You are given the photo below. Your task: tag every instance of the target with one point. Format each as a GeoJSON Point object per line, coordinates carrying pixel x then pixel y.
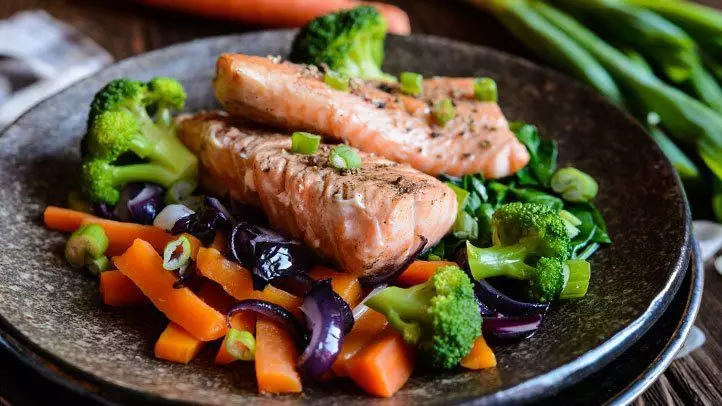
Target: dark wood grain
{"type": "Point", "coordinates": [127, 29]}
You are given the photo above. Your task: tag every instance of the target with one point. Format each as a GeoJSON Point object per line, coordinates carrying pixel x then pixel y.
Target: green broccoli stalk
{"type": "Point", "coordinates": [122, 128]}
{"type": "Point", "coordinates": [530, 242]}
{"type": "Point", "coordinates": [350, 42]}
{"type": "Point", "coordinates": [440, 317]}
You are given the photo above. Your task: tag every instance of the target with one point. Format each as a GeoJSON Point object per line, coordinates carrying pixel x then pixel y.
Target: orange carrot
{"type": "Point", "coordinates": [177, 345]}
{"type": "Point", "coordinates": [383, 366]}
{"type": "Point", "coordinates": [220, 243]}
{"type": "Point", "coordinates": [480, 356]}
{"type": "Point", "coordinates": [242, 321]}
{"type": "Point", "coordinates": [366, 329]}
{"type": "Point", "coordinates": [61, 219]}
{"type": "Point", "coordinates": [117, 289]}
{"type": "Point", "coordinates": [121, 235]}
{"type": "Point", "coordinates": [145, 268]}
{"type": "Point", "coordinates": [419, 272]}
{"type": "Point", "coordinates": [282, 298]}
{"type": "Point", "coordinates": [280, 13]}
{"type": "Point", "coordinates": [234, 279]}
{"type": "Point", "coordinates": [345, 285]}
{"type": "Point", "coordinates": [276, 358]}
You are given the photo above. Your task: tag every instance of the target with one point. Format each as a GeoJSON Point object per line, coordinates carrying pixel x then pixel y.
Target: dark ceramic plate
{"type": "Point", "coordinates": [58, 310]}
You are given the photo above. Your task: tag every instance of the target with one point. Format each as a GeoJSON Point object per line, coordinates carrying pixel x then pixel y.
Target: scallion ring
{"type": "Point", "coordinates": [177, 253]}
{"type": "Point", "coordinates": [98, 265]}
{"type": "Point", "coordinates": [305, 143]}
{"type": "Point", "coordinates": [412, 83]}
{"type": "Point", "coordinates": [241, 344]}
{"type": "Point", "coordinates": [485, 90]}
{"type": "Point", "coordinates": [344, 157]}
{"type": "Point", "coordinates": [444, 111]}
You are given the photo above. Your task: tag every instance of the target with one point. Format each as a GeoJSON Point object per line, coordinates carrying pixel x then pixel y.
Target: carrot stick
{"type": "Point", "coordinates": [383, 366]}
{"type": "Point", "coordinates": [234, 279]}
{"type": "Point", "coordinates": [366, 329]}
{"type": "Point", "coordinates": [282, 298]}
{"type": "Point", "coordinates": [280, 13]}
{"type": "Point", "coordinates": [177, 345]}
{"type": "Point", "coordinates": [145, 268]}
{"type": "Point", "coordinates": [419, 272]}
{"type": "Point", "coordinates": [121, 235]}
{"type": "Point", "coordinates": [117, 289]}
{"type": "Point", "coordinates": [345, 285]}
{"type": "Point", "coordinates": [276, 358]}
{"type": "Point", "coordinates": [242, 321]}
{"type": "Point", "coordinates": [61, 219]}
{"type": "Point", "coordinates": [480, 356]}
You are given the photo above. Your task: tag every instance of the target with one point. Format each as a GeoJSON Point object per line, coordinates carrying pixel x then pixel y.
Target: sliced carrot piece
{"type": "Point", "coordinates": [419, 272]}
{"type": "Point", "coordinates": [62, 219]}
{"type": "Point", "coordinates": [480, 357]}
{"type": "Point", "coordinates": [121, 235]}
{"type": "Point", "coordinates": [282, 298]}
{"type": "Point", "coordinates": [366, 329]}
{"type": "Point", "coordinates": [234, 278]}
{"type": "Point", "coordinates": [220, 243]}
{"type": "Point", "coordinates": [383, 367]}
{"type": "Point", "coordinates": [276, 358]}
{"type": "Point", "coordinates": [117, 289]}
{"type": "Point", "coordinates": [242, 321]}
{"type": "Point", "coordinates": [177, 345]}
{"type": "Point", "coordinates": [142, 264]}
{"type": "Point", "coordinates": [345, 285]}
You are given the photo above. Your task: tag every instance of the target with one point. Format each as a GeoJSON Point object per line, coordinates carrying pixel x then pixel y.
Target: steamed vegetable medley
{"type": "Point", "coordinates": [289, 256]}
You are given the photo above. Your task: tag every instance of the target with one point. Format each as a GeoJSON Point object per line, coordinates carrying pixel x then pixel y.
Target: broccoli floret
{"type": "Point", "coordinates": [530, 242]}
{"type": "Point", "coordinates": [440, 317]}
{"type": "Point", "coordinates": [131, 121]}
{"type": "Point", "coordinates": [350, 42]}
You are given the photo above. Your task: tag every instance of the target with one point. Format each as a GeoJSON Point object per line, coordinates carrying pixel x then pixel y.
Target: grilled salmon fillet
{"type": "Point", "coordinates": [374, 117]}
{"type": "Point", "coordinates": [368, 221]}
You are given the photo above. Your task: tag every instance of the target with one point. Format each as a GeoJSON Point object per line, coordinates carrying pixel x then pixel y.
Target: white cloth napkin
{"type": "Point", "coordinates": [40, 56]}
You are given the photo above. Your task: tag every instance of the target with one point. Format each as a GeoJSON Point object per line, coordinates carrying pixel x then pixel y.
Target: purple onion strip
{"type": "Point", "coordinates": [511, 328]}
{"type": "Point", "coordinates": [274, 312]}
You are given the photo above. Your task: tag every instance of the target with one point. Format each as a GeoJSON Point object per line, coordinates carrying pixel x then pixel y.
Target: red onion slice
{"type": "Point", "coordinates": [167, 218]}
{"type": "Point", "coordinates": [511, 328]}
{"type": "Point", "coordinates": [274, 312]}
{"type": "Point", "coordinates": [325, 318]}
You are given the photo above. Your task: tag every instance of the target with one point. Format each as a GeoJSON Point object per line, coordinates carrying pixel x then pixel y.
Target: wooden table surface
{"type": "Point", "coordinates": [126, 29]}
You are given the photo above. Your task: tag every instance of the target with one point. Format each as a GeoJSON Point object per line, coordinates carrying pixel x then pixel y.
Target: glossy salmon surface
{"type": "Point", "coordinates": [375, 117]}
{"type": "Point", "coordinates": [367, 221]}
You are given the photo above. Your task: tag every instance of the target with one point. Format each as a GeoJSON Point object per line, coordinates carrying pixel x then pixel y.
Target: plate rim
{"type": "Point", "coordinates": [535, 387]}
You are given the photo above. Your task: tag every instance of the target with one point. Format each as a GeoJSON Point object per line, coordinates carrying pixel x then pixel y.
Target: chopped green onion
{"type": "Point", "coordinates": [462, 195]}
{"type": "Point", "coordinates": [336, 80]}
{"type": "Point", "coordinates": [465, 226]}
{"type": "Point", "coordinates": [412, 83]}
{"type": "Point", "coordinates": [179, 191]}
{"type": "Point", "coordinates": [98, 265]}
{"type": "Point", "coordinates": [578, 273]}
{"type": "Point", "coordinates": [485, 90]}
{"type": "Point", "coordinates": [241, 344]}
{"type": "Point", "coordinates": [343, 157]}
{"type": "Point", "coordinates": [305, 143]}
{"type": "Point", "coordinates": [574, 185]}
{"type": "Point", "coordinates": [177, 253]}
{"type": "Point", "coordinates": [444, 111]}
{"type": "Point", "coordinates": [434, 257]}
{"type": "Point", "coordinates": [85, 244]}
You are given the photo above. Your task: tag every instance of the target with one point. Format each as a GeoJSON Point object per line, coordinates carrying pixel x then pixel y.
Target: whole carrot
{"type": "Point", "coordinates": [281, 13]}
